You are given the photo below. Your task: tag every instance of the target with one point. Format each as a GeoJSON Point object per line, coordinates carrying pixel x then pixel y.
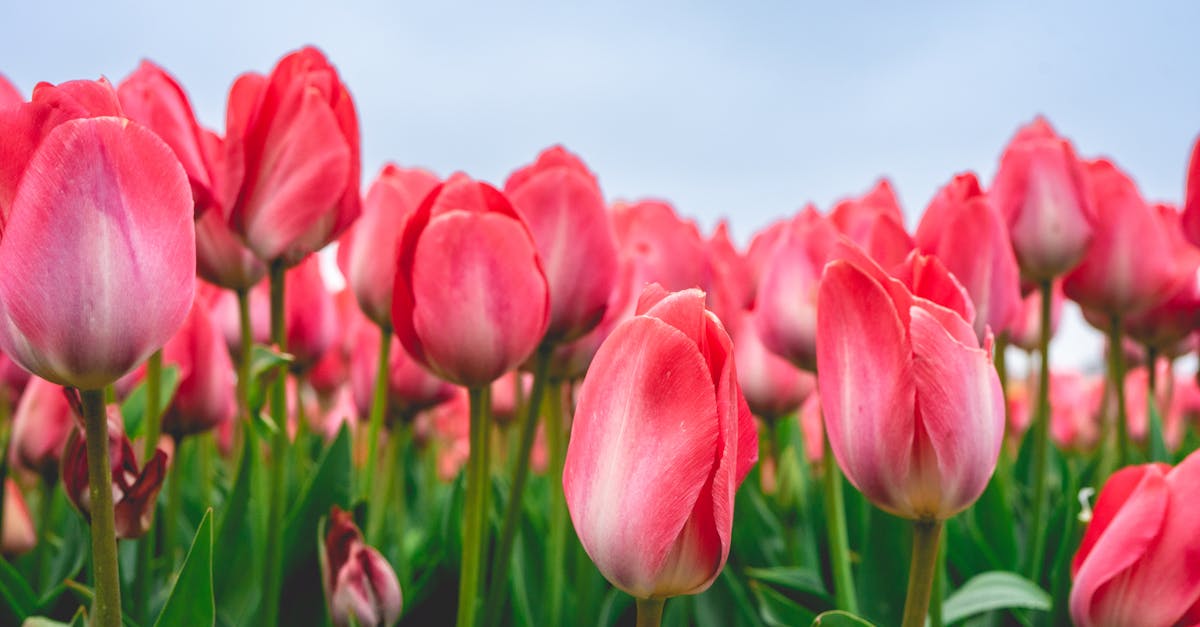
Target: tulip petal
{"type": "Point", "coordinates": [642, 447]}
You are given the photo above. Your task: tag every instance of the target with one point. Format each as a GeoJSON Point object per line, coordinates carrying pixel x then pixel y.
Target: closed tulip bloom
{"type": "Point", "coordinates": [367, 252]}
{"type": "Point", "coordinates": [309, 314]}
{"type": "Point", "coordinates": [411, 388]}
{"type": "Point", "coordinates": [787, 291]}
{"type": "Point", "coordinates": [221, 257]}
{"type": "Point", "coordinates": [1076, 401]}
{"type": "Point", "coordinates": [1168, 323]}
{"type": "Point", "coordinates": [135, 491]}
{"type": "Point", "coordinates": [773, 386]}
{"type": "Point", "coordinates": [561, 202]}
{"type": "Point", "coordinates": [734, 267]}
{"type": "Point", "coordinates": [1131, 264]}
{"type": "Point", "coordinates": [10, 96]}
{"type": "Point", "coordinates": [17, 536]}
{"type": "Point", "coordinates": [570, 361]}
{"type": "Point", "coordinates": [40, 426]}
{"type": "Point", "coordinates": [961, 228]}
{"type": "Point", "coordinates": [666, 248]}
{"type": "Point", "coordinates": [206, 396]}
{"type": "Point", "coordinates": [223, 307]}
{"type": "Point", "coordinates": [292, 148]}
{"type": "Point", "coordinates": [1040, 191]}
{"type": "Point", "coordinates": [759, 252]}
{"type": "Point", "coordinates": [1136, 564]}
{"type": "Point", "coordinates": [152, 97]}
{"type": "Point", "coordinates": [913, 406]}
{"type": "Point", "coordinates": [471, 300]}
{"type": "Point", "coordinates": [1024, 328]}
{"type": "Point", "coordinates": [98, 243]}
{"type": "Point", "coordinates": [812, 425]}
{"type": "Point", "coordinates": [1191, 204]}
{"type": "Point", "coordinates": [875, 222]}
{"type": "Point", "coordinates": [661, 441]}
{"type": "Point", "coordinates": [360, 585]}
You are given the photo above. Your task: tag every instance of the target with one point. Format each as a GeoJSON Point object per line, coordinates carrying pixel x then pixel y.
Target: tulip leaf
{"type": "Point", "coordinates": [328, 485]}
{"type": "Point", "coordinates": [133, 410]}
{"type": "Point", "coordinates": [264, 361]}
{"type": "Point", "coordinates": [880, 598]}
{"type": "Point", "coordinates": [838, 618]}
{"type": "Point", "coordinates": [1154, 437]}
{"type": "Point", "coordinates": [615, 605]}
{"type": "Point", "coordinates": [995, 590]}
{"type": "Point", "coordinates": [777, 610]}
{"type": "Point", "coordinates": [191, 601]}
{"type": "Point", "coordinates": [17, 600]}
{"type": "Point", "coordinates": [241, 526]}
{"type": "Point", "coordinates": [805, 581]}
{"type": "Point", "coordinates": [741, 599]}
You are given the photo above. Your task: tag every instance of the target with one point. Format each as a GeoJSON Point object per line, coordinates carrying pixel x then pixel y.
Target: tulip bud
{"type": "Point", "coordinates": [1040, 191]}
{"type": "Point", "coordinates": [560, 200]}
{"type": "Point", "coordinates": [10, 96]}
{"type": "Point", "coordinates": [360, 585]}
{"type": "Point", "coordinates": [18, 535]}
{"type": "Point", "coordinates": [292, 154]}
{"type": "Point", "coordinates": [665, 248]}
{"type": "Point", "coordinates": [912, 404]}
{"type": "Point", "coordinates": [367, 252]}
{"type": "Point", "coordinates": [1165, 325]}
{"type": "Point", "coordinates": [1075, 406]}
{"type": "Point", "coordinates": [1024, 328]}
{"type": "Point", "coordinates": [309, 314]}
{"type": "Point", "coordinates": [221, 258]}
{"type": "Point", "coordinates": [98, 242]}
{"type": "Point", "coordinates": [411, 388]}
{"type": "Point", "coordinates": [206, 396]}
{"type": "Point", "coordinates": [40, 426]}
{"type": "Point", "coordinates": [471, 300]}
{"type": "Point", "coordinates": [773, 386]}
{"type": "Point", "coordinates": [662, 438]}
{"type": "Point", "coordinates": [134, 491]}
{"type": "Point", "coordinates": [875, 222]}
{"type": "Point", "coordinates": [1136, 562]}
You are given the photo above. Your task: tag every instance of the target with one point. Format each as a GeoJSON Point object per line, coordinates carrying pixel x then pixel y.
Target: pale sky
{"type": "Point", "coordinates": [742, 110]}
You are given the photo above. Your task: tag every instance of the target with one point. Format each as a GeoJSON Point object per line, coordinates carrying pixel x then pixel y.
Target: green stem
{"type": "Point", "coordinates": [380, 490]}
{"type": "Point", "coordinates": [512, 516]}
{"type": "Point", "coordinates": [145, 544]}
{"type": "Point", "coordinates": [839, 542]}
{"type": "Point", "coordinates": [939, 584]}
{"type": "Point", "coordinates": [106, 606]}
{"type": "Point", "coordinates": [279, 448]}
{"type": "Point", "coordinates": [1117, 373]}
{"type": "Point", "coordinates": [45, 515]}
{"type": "Point", "coordinates": [556, 551]}
{"type": "Point", "coordinates": [476, 508]}
{"type": "Point", "coordinates": [926, 534]}
{"type": "Point", "coordinates": [174, 504]}
{"type": "Point", "coordinates": [378, 409]}
{"type": "Point", "coordinates": [1041, 441]}
{"type": "Point", "coordinates": [396, 471]}
{"type": "Point", "coordinates": [649, 612]}
{"type": "Point", "coordinates": [247, 346]}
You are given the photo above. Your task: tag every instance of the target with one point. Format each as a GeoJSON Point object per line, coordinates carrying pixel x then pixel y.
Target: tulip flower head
{"type": "Point", "coordinates": [912, 404]}
{"type": "Point", "coordinates": [360, 585]}
{"type": "Point", "coordinates": [40, 426]}
{"type": "Point", "coordinates": [661, 441]}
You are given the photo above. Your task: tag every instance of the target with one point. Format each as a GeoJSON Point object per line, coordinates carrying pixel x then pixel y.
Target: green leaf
{"type": "Point", "coordinates": [133, 410]}
{"type": "Point", "coordinates": [1158, 448]}
{"type": "Point", "coordinates": [263, 363]}
{"type": "Point", "coordinates": [996, 590]}
{"type": "Point", "coordinates": [17, 597]}
{"type": "Point", "coordinates": [327, 485]}
{"type": "Point", "coordinates": [191, 601]}
{"type": "Point", "coordinates": [838, 618]}
{"type": "Point", "coordinates": [241, 527]}
{"type": "Point", "coordinates": [777, 610]}
{"type": "Point", "coordinates": [803, 580]}
{"type": "Point", "coordinates": [887, 549]}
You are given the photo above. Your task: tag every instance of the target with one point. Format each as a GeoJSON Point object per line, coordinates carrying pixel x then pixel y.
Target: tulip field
{"type": "Point", "coordinates": [533, 405]}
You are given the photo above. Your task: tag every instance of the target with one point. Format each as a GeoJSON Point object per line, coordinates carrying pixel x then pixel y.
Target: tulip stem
{"type": "Point", "coordinates": [45, 515]}
{"type": "Point", "coordinates": [247, 345]}
{"type": "Point", "coordinates": [174, 503]}
{"type": "Point", "coordinates": [145, 545]}
{"type": "Point", "coordinates": [512, 515]}
{"type": "Point", "coordinates": [475, 511]}
{"type": "Point", "coordinates": [106, 606]}
{"type": "Point", "coordinates": [378, 409]}
{"type": "Point", "coordinates": [839, 541]}
{"type": "Point", "coordinates": [1041, 440]}
{"type": "Point", "coordinates": [1116, 356]}
{"type": "Point", "coordinates": [556, 552]}
{"type": "Point", "coordinates": [381, 490]}
{"type": "Point", "coordinates": [279, 448]}
{"type": "Point", "coordinates": [926, 534]}
{"type": "Point", "coordinates": [649, 612]}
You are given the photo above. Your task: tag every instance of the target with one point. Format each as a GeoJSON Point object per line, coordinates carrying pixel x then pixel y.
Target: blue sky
{"type": "Point", "coordinates": [744, 110]}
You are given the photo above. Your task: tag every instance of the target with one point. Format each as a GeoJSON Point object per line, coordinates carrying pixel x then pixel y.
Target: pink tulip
{"type": "Point", "coordinates": [661, 441]}
{"type": "Point", "coordinates": [471, 300]}
{"type": "Point", "coordinates": [367, 252]}
{"type": "Point", "coordinates": [10, 96]}
{"type": "Point", "coordinates": [1191, 205]}
{"type": "Point", "coordinates": [411, 388]}
{"type": "Point", "coordinates": [787, 291]}
{"type": "Point", "coordinates": [758, 255]}
{"type": "Point", "coordinates": [773, 386]}
{"type": "Point", "coordinates": [812, 425]}
{"type": "Point", "coordinates": [1024, 328]}
{"type": "Point", "coordinates": [292, 151]}
{"type": "Point", "coordinates": [332, 370]}
{"type": "Point", "coordinates": [40, 426]}
{"type": "Point", "coordinates": [222, 258]}
{"type": "Point", "coordinates": [1075, 405]}
{"type": "Point", "coordinates": [875, 222]}
{"type": "Point", "coordinates": [961, 228]}
{"type": "Point", "coordinates": [1136, 564]}
{"type": "Point", "coordinates": [1131, 263]}
{"type": "Point", "coordinates": [1165, 325]}
{"type": "Point", "coordinates": [206, 396]}
{"type": "Point", "coordinates": [913, 407]}
{"type": "Point", "coordinates": [561, 202]}
{"type": "Point", "coordinates": [665, 248]}
{"type": "Point", "coordinates": [360, 585]}
{"type": "Point", "coordinates": [309, 314]}
{"type": "Point", "coordinates": [569, 362]}
{"type": "Point", "coordinates": [98, 245]}
{"type": "Point", "coordinates": [1039, 189]}
{"type": "Point", "coordinates": [152, 97]}
{"type": "Point", "coordinates": [223, 308]}
{"type": "Point", "coordinates": [18, 535]}
{"type": "Point", "coordinates": [733, 268]}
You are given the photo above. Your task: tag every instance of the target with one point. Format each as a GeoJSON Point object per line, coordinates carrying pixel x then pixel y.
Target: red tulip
{"type": "Point", "coordinates": [360, 585]}
{"type": "Point", "coordinates": [787, 290]}
{"type": "Point", "coordinates": [912, 404]}
{"type": "Point", "coordinates": [17, 536]}
{"type": "Point", "coordinates": [150, 96]}
{"type": "Point", "coordinates": [293, 139]}
{"type": "Point", "coordinates": [206, 396]}
{"type": "Point", "coordinates": [1039, 189]}
{"type": "Point", "coordinates": [729, 291]}
{"type": "Point", "coordinates": [40, 426]}
{"type": "Point", "coordinates": [662, 438]}
{"type": "Point", "coordinates": [98, 245]}
{"type": "Point", "coordinates": [134, 491]}
{"type": "Point", "coordinates": [962, 228]}
{"type": "Point", "coordinates": [1136, 564]}
{"type": "Point", "coordinates": [812, 425]}
{"type": "Point", "coordinates": [773, 386]}
{"type": "Point", "coordinates": [221, 257]}
{"type": "Point", "coordinates": [570, 361]}
{"type": "Point", "coordinates": [1165, 325]}
{"type": "Point", "coordinates": [411, 388]}
{"type": "Point", "coordinates": [561, 202]}
{"type": "Point", "coordinates": [10, 96]}
{"type": "Point", "coordinates": [310, 317]}
{"type": "Point", "coordinates": [1024, 329]}
{"type": "Point", "coordinates": [471, 300]}
{"type": "Point", "coordinates": [758, 254]}
{"type": "Point", "coordinates": [1191, 205]}
{"type": "Point", "coordinates": [367, 252]}
{"type": "Point", "coordinates": [875, 222]}
{"type": "Point", "coordinates": [1131, 263]}
{"type": "Point", "coordinates": [665, 248]}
